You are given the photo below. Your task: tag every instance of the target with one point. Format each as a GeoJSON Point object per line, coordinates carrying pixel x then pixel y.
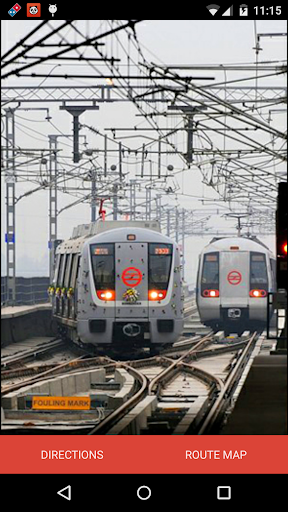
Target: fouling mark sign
{"type": "Point", "coordinates": [61, 402]}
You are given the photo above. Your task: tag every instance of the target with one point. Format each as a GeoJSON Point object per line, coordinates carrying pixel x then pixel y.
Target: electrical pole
{"type": "Point", "coordinates": [132, 199]}
{"type": "Point", "coordinates": [115, 201]}
{"type": "Point", "coordinates": [183, 240]}
{"type": "Point", "coordinates": [168, 221]}
{"type": "Point", "coordinates": [158, 208]}
{"type": "Point", "coordinates": [189, 112]}
{"type": "Point", "coordinates": [10, 207]}
{"type": "Point", "coordinates": [76, 112]}
{"type": "Point", "coordinates": [52, 203]}
{"type": "Point", "coordinates": [93, 195]}
{"type": "Point", "coordinates": [148, 203]}
{"type": "Point", "coordinates": [176, 225]}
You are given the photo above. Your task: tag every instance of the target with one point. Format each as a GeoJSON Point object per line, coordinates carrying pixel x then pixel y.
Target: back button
{"type": "Point", "coordinates": [65, 492]}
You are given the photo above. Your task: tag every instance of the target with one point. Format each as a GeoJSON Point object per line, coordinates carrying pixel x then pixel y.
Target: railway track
{"type": "Point", "coordinates": [27, 366]}
{"type": "Point", "coordinates": [23, 356]}
{"type": "Point", "coordinates": [186, 398]}
{"type": "Point", "coordinates": [186, 389]}
{"type": "Point", "coordinates": [170, 394]}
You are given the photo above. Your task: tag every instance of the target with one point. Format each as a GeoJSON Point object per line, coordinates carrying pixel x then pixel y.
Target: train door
{"type": "Point", "coordinates": [131, 279]}
{"type": "Point", "coordinates": [234, 278]}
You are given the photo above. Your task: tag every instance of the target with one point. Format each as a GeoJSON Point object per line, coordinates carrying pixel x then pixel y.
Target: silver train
{"type": "Point", "coordinates": [117, 283]}
{"type": "Point", "coordinates": [234, 278]}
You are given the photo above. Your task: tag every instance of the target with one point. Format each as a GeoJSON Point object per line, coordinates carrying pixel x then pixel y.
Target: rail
{"type": "Point", "coordinates": [214, 415]}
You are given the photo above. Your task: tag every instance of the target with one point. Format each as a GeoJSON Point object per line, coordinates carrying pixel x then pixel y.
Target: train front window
{"type": "Point", "coordinates": [103, 264]}
{"type": "Point", "coordinates": [210, 272]}
{"type": "Point", "coordinates": [258, 271]}
{"type": "Point", "coordinates": [160, 259]}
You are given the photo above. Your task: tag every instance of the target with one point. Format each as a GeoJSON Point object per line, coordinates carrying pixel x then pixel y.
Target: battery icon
{"type": "Point", "coordinates": [243, 10]}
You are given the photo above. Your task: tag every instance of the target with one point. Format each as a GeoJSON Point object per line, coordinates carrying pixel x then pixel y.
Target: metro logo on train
{"type": "Point", "coordinates": [234, 277]}
{"type": "Point", "coordinates": [131, 276]}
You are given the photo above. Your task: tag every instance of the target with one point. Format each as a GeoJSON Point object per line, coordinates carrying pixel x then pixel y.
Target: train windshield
{"type": "Point", "coordinates": [103, 264]}
{"type": "Point", "coordinates": [258, 270]}
{"type": "Point", "coordinates": [210, 272]}
{"type": "Point", "coordinates": [160, 259]}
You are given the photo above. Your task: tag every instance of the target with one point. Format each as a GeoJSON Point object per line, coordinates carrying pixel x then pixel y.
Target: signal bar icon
{"type": "Point", "coordinates": [229, 12]}
{"type": "Point", "coordinates": [213, 8]}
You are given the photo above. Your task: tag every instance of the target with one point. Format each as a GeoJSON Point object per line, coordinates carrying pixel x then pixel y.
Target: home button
{"type": "Point", "coordinates": [143, 492]}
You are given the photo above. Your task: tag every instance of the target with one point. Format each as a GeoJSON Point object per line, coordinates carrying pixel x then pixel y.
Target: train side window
{"type": "Point", "coordinates": [74, 267]}
{"type": "Point", "coordinates": [258, 270]}
{"type": "Point", "coordinates": [160, 259]}
{"type": "Point", "coordinates": [78, 266]}
{"type": "Point", "coordinates": [57, 262]}
{"type": "Point", "coordinates": [198, 272]}
{"type": "Point", "coordinates": [103, 265]}
{"type": "Point", "coordinates": [63, 269]}
{"type": "Point", "coordinates": [60, 271]}
{"type": "Point", "coordinates": [210, 271]}
{"type": "Point", "coordinates": [67, 271]}
{"type": "Point", "coordinates": [71, 270]}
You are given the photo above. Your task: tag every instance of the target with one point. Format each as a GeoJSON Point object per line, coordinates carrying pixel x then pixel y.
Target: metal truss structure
{"type": "Point", "coordinates": [226, 130]}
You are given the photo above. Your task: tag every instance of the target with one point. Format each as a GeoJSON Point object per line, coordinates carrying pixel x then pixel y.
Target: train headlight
{"type": "Point", "coordinates": [157, 294]}
{"type": "Point", "coordinates": [257, 293]}
{"type": "Point", "coordinates": [210, 293]}
{"type": "Point", "coordinates": [106, 294]}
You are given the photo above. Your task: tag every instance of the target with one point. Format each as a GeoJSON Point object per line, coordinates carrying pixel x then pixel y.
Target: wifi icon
{"type": "Point", "coordinates": [213, 8]}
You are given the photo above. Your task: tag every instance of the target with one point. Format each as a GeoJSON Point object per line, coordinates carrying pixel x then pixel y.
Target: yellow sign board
{"type": "Point", "coordinates": [66, 403]}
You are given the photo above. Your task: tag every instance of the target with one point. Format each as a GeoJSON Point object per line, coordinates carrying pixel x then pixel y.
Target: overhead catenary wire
{"type": "Point", "coordinates": [22, 41]}
{"type": "Point", "coordinates": [75, 46]}
{"type": "Point", "coordinates": [26, 49]}
{"type": "Point", "coordinates": [202, 127]}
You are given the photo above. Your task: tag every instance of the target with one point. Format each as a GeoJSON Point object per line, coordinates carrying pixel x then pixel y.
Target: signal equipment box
{"type": "Point", "coordinates": [281, 236]}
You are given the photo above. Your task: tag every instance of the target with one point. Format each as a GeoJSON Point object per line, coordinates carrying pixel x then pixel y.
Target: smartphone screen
{"type": "Point", "coordinates": [144, 255]}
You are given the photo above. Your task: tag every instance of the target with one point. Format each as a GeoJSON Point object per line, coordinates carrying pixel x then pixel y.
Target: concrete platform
{"type": "Point", "coordinates": [14, 311]}
{"type": "Point", "coordinates": [261, 407]}
{"type": "Point", "coordinates": [21, 322]}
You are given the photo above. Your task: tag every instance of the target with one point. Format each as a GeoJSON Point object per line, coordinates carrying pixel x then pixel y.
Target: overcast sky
{"type": "Point", "coordinates": [164, 42]}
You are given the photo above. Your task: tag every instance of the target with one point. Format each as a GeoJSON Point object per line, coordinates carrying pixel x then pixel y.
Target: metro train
{"type": "Point", "coordinates": [234, 278]}
{"type": "Point", "coordinates": [120, 284]}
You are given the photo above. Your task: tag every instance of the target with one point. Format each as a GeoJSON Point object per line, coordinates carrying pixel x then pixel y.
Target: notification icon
{"type": "Point", "coordinates": [33, 10]}
{"type": "Point", "coordinates": [14, 10]}
{"type": "Point", "coordinates": [52, 9]}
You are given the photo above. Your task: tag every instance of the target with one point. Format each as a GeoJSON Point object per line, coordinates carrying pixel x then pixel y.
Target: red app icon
{"type": "Point", "coordinates": [33, 10]}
